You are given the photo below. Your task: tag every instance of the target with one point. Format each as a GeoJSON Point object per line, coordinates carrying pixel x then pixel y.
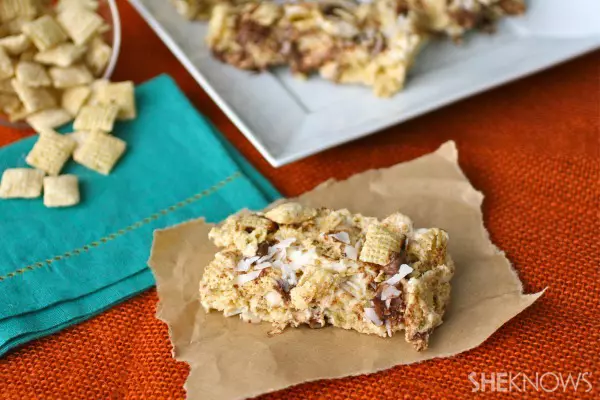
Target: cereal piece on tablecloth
{"type": "Point", "coordinates": [96, 118]}
{"type": "Point", "coordinates": [49, 118]}
{"type": "Point", "coordinates": [66, 77]}
{"type": "Point", "coordinates": [74, 98]}
{"type": "Point", "coordinates": [44, 32]}
{"type": "Point", "coordinates": [25, 183]}
{"type": "Point", "coordinates": [61, 191]}
{"type": "Point", "coordinates": [34, 99]}
{"type": "Point", "coordinates": [120, 94]}
{"type": "Point", "coordinates": [100, 152]}
{"type": "Point", "coordinates": [79, 23]}
{"type": "Point", "coordinates": [32, 74]}
{"type": "Point", "coordinates": [50, 152]}
{"type": "Point", "coordinates": [63, 55]}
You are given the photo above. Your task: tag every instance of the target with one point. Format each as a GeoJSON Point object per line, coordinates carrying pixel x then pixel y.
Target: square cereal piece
{"type": "Point", "coordinates": [63, 55]}
{"type": "Point", "coordinates": [74, 98]}
{"type": "Point", "coordinates": [44, 32]}
{"type": "Point", "coordinates": [100, 152]}
{"type": "Point", "coordinates": [11, 9]}
{"type": "Point", "coordinates": [34, 99]}
{"type": "Point", "coordinates": [96, 118]}
{"type": "Point", "coordinates": [32, 74]}
{"type": "Point", "coordinates": [66, 77]}
{"type": "Point", "coordinates": [91, 5]}
{"type": "Point", "coordinates": [49, 118]}
{"type": "Point", "coordinates": [50, 152]}
{"type": "Point", "coordinates": [7, 69]}
{"type": "Point", "coordinates": [120, 94]}
{"type": "Point", "coordinates": [61, 191]}
{"type": "Point", "coordinates": [98, 55]}
{"type": "Point", "coordinates": [79, 23]}
{"type": "Point", "coordinates": [15, 26]}
{"type": "Point", "coordinates": [16, 44]}
{"type": "Point", "coordinates": [23, 183]}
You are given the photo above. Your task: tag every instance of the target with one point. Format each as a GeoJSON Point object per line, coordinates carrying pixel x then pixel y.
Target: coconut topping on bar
{"type": "Point", "coordinates": [296, 265]}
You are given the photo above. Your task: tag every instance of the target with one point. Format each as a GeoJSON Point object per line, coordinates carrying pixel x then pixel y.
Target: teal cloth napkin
{"type": "Point", "coordinates": [62, 266]}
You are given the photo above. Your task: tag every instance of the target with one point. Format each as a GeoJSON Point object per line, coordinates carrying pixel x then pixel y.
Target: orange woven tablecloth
{"type": "Point", "coordinates": [532, 147]}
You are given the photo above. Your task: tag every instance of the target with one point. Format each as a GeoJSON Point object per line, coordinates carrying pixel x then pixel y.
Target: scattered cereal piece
{"type": "Point", "coordinates": [32, 74]}
{"type": "Point", "coordinates": [96, 118]}
{"type": "Point", "coordinates": [25, 183]}
{"type": "Point", "coordinates": [11, 9]}
{"type": "Point", "coordinates": [98, 55]}
{"type": "Point", "coordinates": [61, 191]}
{"type": "Point", "coordinates": [34, 99]}
{"type": "Point", "coordinates": [16, 44]}
{"type": "Point", "coordinates": [6, 66]}
{"type": "Point", "coordinates": [120, 94]}
{"type": "Point", "coordinates": [49, 118]}
{"type": "Point", "coordinates": [100, 152]}
{"type": "Point", "coordinates": [74, 98]}
{"type": "Point", "coordinates": [50, 152]}
{"type": "Point", "coordinates": [65, 77]}
{"type": "Point", "coordinates": [44, 32]}
{"type": "Point", "coordinates": [79, 23]}
{"type": "Point", "coordinates": [63, 55]}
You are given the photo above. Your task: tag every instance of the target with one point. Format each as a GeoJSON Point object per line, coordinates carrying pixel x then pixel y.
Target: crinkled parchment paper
{"type": "Point", "coordinates": [231, 359]}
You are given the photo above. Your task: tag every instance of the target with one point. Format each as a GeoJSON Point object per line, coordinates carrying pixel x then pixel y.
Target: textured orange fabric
{"type": "Point", "coordinates": [532, 147]}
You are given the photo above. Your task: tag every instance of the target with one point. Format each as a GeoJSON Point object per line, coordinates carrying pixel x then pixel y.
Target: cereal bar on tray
{"type": "Point", "coordinates": [372, 44]}
{"type": "Point", "coordinates": [295, 265]}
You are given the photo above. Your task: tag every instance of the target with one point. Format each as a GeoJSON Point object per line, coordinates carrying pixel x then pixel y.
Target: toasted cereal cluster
{"type": "Point", "coordinates": [51, 56]}
{"type": "Point", "coordinates": [372, 43]}
{"type": "Point", "coordinates": [295, 265]}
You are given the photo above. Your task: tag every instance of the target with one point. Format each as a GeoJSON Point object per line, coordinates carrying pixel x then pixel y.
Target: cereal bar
{"type": "Point", "coordinates": [296, 265]}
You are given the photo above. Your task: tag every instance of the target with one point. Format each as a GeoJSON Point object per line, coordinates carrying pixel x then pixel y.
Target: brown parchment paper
{"type": "Point", "coordinates": [231, 359]}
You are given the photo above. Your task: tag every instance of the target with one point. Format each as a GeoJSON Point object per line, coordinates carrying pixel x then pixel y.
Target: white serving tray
{"type": "Point", "coordinates": [287, 119]}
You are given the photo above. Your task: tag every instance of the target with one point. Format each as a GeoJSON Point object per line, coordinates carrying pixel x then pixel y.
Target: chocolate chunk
{"type": "Point", "coordinates": [263, 249]}
{"type": "Point", "coordinates": [393, 266]}
{"type": "Point", "coordinates": [252, 32]}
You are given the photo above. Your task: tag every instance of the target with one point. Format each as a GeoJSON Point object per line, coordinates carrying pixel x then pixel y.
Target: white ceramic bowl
{"type": "Point", "coordinates": [110, 13]}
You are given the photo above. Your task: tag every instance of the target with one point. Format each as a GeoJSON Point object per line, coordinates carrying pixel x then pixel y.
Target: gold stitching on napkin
{"type": "Point", "coordinates": [121, 232]}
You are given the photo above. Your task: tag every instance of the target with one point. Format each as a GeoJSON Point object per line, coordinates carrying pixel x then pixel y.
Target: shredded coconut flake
{"type": "Point", "coordinates": [260, 266]}
{"type": "Point", "coordinates": [388, 303]}
{"type": "Point", "coordinates": [341, 237]}
{"type": "Point", "coordinates": [245, 278]}
{"type": "Point", "coordinates": [372, 316]}
{"type": "Point", "coordinates": [389, 292]}
{"type": "Point", "coordinates": [338, 266]}
{"type": "Point", "coordinates": [404, 270]}
{"type": "Point", "coordinates": [351, 252]}
{"type": "Point", "coordinates": [245, 263]}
